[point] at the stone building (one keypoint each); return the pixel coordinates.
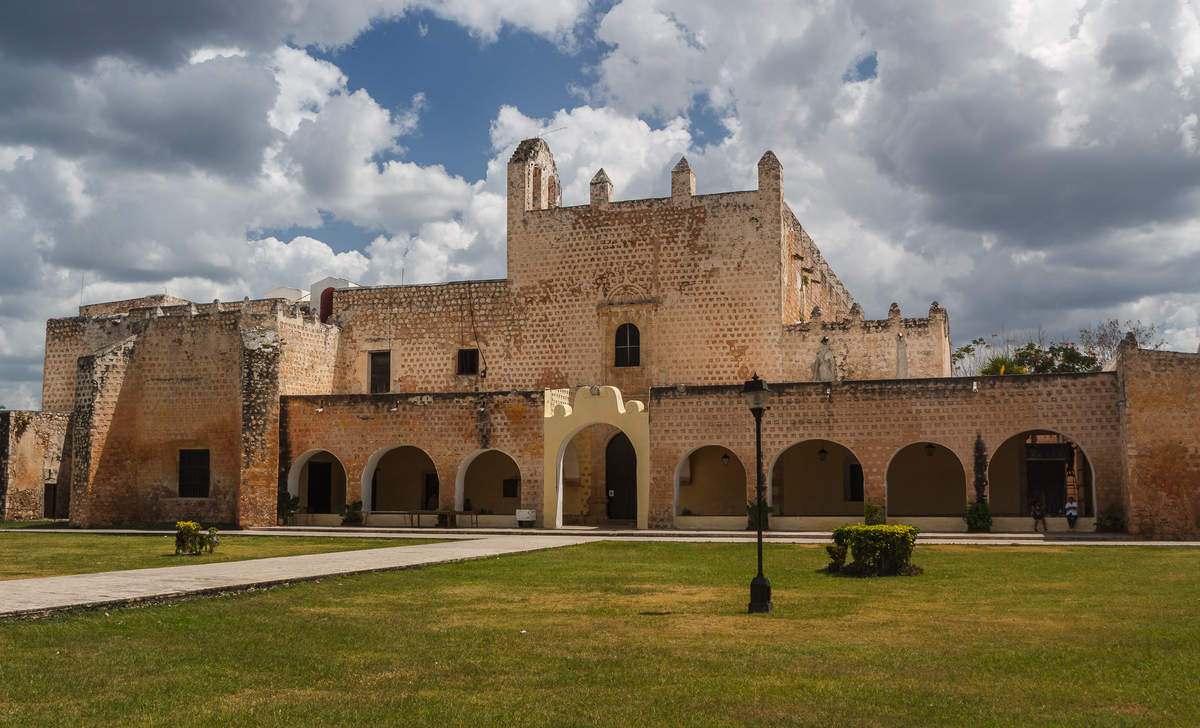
(597, 383)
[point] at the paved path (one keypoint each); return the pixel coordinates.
(29, 598)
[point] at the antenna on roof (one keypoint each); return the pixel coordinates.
(551, 131)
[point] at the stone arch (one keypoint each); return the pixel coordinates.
(485, 477)
(712, 485)
(396, 478)
(816, 484)
(921, 483)
(590, 406)
(326, 304)
(1015, 479)
(320, 506)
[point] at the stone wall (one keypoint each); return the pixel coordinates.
(876, 419)
(1161, 442)
(31, 456)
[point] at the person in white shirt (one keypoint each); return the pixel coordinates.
(1071, 509)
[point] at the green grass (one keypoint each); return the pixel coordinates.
(637, 634)
(32, 555)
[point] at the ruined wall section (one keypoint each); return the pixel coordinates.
(876, 419)
(98, 388)
(808, 281)
(113, 308)
(423, 327)
(31, 455)
(891, 348)
(309, 353)
(261, 364)
(1161, 454)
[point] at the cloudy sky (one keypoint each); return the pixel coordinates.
(1024, 163)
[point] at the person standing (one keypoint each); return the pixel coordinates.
(1039, 516)
(1071, 509)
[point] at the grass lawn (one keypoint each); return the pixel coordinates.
(31, 555)
(645, 634)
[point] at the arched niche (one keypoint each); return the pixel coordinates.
(319, 478)
(398, 478)
(1039, 465)
(491, 480)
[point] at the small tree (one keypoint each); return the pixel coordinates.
(1060, 358)
(981, 480)
(1105, 337)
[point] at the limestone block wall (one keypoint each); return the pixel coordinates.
(32, 455)
(423, 327)
(876, 419)
(449, 427)
(200, 379)
(1161, 449)
(308, 354)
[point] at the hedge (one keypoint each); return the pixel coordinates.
(882, 550)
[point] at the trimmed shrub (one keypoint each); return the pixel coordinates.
(190, 539)
(979, 517)
(876, 550)
(837, 556)
(874, 515)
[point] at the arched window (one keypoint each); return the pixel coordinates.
(629, 346)
(537, 188)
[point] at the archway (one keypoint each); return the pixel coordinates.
(1044, 466)
(599, 406)
(319, 479)
(926, 480)
(816, 485)
(711, 490)
(491, 481)
(401, 478)
(597, 460)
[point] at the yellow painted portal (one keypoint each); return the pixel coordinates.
(589, 406)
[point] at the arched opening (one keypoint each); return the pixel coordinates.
(817, 479)
(599, 477)
(1039, 465)
(398, 479)
(319, 479)
(628, 346)
(927, 480)
(490, 484)
(711, 490)
(326, 304)
(537, 188)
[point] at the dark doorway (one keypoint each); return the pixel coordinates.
(431, 492)
(48, 501)
(1048, 485)
(320, 487)
(620, 468)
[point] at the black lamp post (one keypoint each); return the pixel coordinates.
(757, 394)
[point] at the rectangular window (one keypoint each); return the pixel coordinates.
(193, 473)
(512, 487)
(468, 361)
(381, 372)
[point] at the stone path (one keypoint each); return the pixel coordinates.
(31, 598)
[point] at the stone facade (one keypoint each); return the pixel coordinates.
(496, 391)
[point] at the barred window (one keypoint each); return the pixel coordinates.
(193, 473)
(468, 361)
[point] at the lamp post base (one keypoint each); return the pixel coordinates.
(760, 595)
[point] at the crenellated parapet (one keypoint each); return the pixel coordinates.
(862, 348)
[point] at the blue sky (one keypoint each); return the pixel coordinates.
(1029, 165)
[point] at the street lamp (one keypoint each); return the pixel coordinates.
(757, 395)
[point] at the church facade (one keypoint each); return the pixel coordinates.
(597, 384)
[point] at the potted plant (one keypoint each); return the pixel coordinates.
(351, 514)
(288, 505)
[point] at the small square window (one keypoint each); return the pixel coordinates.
(512, 487)
(193, 473)
(468, 361)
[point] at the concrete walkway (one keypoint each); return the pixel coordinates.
(32, 598)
